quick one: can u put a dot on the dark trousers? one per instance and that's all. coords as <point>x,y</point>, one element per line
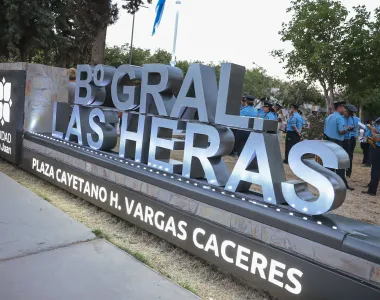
<point>365,148</point>
<point>375,171</point>
<point>352,146</point>
<point>341,172</point>
<point>292,138</point>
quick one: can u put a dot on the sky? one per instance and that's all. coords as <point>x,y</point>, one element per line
<point>240,31</point>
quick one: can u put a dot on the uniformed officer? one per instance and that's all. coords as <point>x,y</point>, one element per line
<point>241,136</point>
<point>353,134</point>
<point>260,111</point>
<point>269,114</point>
<point>293,130</point>
<point>249,110</point>
<point>243,103</point>
<point>276,108</point>
<point>375,170</point>
<point>335,129</point>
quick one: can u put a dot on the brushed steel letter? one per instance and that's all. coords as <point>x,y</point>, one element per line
<point>267,171</point>
<point>331,188</point>
<point>204,147</point>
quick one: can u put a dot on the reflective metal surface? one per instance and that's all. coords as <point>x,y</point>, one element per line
<point>331,188</point>
<point>61,118</point>
<point>198,94</point>
<point>86,92</point>
<point>204,147</point>
<point>79,125</point>
<point>162,143</point>
<point>104,135</point>
<point>260,163</point>
<point>229,96</point>
<point>125,95</point>
<point>135,137</point>
<point>159,85</point>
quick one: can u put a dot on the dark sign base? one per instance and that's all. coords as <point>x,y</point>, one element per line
<point>281,273</point>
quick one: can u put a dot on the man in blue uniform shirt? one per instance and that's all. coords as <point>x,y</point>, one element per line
<point>269,114</point>
<point>241,136</point>
<point>260,111</point>
<point>249,110</point>
<point>375,170</point>
<point>335,129</point>
<point>293,130</point>
<point>353,134</point>
<point>349,125</point>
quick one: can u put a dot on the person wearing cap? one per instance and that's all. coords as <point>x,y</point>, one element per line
<point>260,111</point>
<point>353,135</point>
<point>241,136</point>
<point>269,114</point>
<point>375,169</point>
<point>349,125</point>
<point>293,130</point>
<point>249,110</point>
<point>243,103</point>
<point>335,129</point>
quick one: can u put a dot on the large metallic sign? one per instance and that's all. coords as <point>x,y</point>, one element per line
<point>12,99</point>
<point>285,275</point>
<point>164,103</point>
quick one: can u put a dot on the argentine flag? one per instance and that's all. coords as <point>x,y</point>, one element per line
<point>159,11</point>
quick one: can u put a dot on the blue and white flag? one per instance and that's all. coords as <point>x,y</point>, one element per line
<point>159,11</point>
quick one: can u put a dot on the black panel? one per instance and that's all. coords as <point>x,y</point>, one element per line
<point>310,230</point>
<point>12,114</point>
<point>317,282</point>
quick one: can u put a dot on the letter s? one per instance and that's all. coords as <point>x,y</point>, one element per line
<point>181,226</point>
<point>297,285</point>
<point>331,188</point>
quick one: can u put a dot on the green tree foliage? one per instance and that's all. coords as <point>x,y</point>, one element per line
<point>58,32</point>
<point>335,48</point>
<point>300,92</point>
<point>316,32</point>
<point>24,26</point>
<point>256,80</point>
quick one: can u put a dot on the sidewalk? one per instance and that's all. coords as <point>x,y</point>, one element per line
<point>45,254</point>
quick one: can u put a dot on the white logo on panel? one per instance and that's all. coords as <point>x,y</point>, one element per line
<point>5,101</point>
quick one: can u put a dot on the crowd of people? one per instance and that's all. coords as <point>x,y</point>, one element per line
<point>342,127</point>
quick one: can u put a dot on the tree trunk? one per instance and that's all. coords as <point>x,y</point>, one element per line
<point>326,94</point>
<point>98,47</point>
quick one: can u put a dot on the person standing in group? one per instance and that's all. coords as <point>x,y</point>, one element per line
<point>375,170</point>
<point>335,129</point>
<point>243,103</point>
<point>293,130</point>
<point>364,145</point>
<point>348,125</point>
<point>249,110</point>
<point>353,135</point>
<point>277,110</point>
<point>269,113</point>
<point>261,111</point>
<point>241,136</point>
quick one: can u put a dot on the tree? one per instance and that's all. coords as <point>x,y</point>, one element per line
<point>24,26</point>
<point>160,56</point>
<point>316,32</point>
<point>300,92</point>
<point>116,56</point>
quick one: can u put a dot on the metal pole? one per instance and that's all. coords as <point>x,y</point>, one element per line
<point>173,62</point>
<point>133,30</point>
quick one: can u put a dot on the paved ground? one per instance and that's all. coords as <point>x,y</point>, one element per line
<point>45,254</point>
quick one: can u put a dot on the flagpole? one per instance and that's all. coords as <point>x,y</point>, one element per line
<point>173,61</point>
